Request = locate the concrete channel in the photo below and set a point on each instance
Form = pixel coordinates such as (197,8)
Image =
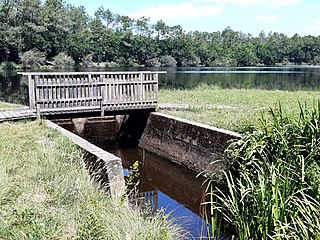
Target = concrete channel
(192,145)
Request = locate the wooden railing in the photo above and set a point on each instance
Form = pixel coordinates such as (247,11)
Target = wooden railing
(76,92)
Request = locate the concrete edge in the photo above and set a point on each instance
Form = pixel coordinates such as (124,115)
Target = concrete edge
(113,163)
(228,132)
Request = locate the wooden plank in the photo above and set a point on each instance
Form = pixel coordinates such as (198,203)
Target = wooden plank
(2,116)
(7,115)
(14,114)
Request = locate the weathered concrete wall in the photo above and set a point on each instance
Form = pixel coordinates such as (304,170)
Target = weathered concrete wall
(190,144)
(111,164)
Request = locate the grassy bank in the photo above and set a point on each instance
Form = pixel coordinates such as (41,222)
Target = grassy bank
(46,193)
(232,109)
(273,179)
(5,105)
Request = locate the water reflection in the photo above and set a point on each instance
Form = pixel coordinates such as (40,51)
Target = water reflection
(276,78)
(13,87)
(164,185)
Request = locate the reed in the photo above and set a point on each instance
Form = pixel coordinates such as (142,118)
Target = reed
(273,178)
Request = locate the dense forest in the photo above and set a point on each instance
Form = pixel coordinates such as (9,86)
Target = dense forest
(35,33)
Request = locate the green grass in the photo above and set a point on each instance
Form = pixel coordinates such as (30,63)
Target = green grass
(232,109)
(46,193)
(273,178)
(5,105)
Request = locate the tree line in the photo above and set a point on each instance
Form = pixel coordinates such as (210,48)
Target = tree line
(55,33)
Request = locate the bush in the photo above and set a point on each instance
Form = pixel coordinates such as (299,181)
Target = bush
(168,61)
(62,60)
(8,66)
(112,64)
(154,62)
(192,61)
(32,59)
(87,61)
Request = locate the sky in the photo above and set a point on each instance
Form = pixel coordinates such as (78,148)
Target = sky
(248,16)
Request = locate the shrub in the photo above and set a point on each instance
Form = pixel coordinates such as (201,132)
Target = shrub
(62,60)
(168,61)
(192,61)
(154,62)
(8,65)
(32,58)
(112,64)
(87,61)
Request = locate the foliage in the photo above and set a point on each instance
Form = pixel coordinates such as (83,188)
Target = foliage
(46,193)
(32,59)
(52,26)
(87,61)
(62,60)
(168,61)
(8,66)
(273,179)
(154,62)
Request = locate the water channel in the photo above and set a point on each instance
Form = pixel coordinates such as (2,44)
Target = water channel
(161,184)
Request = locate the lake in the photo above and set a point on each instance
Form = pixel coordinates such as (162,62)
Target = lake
(14,89)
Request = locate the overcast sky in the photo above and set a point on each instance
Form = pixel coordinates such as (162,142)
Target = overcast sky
(248,16)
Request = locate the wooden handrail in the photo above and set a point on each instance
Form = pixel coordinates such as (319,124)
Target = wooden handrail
(105,91)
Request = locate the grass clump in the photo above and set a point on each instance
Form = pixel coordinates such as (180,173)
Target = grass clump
(46,193)
(232,109)
(273,178)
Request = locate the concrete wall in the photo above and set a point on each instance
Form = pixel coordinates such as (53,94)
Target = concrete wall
(190,144)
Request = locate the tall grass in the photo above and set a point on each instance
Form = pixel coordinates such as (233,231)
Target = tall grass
(46,193)
(273,178)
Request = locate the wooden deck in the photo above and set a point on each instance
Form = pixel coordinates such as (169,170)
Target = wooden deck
(17,114)
(53,93)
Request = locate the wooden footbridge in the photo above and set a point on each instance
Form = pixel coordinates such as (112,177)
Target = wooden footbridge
(81,93)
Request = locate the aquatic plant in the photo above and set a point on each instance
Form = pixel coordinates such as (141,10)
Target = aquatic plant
(273,178)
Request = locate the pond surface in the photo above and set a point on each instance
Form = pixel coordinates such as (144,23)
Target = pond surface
(268,78)
(14,89)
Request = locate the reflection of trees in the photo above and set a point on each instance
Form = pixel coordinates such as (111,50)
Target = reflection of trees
(294,79)
(12,88)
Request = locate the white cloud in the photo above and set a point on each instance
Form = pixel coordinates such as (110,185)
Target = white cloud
(314,29)
(270,4)
(265,18)
(237,2)
(276,4)
(179,11)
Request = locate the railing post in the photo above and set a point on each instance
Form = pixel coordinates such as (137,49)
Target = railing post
(31,92)
(156,89)
(141,94)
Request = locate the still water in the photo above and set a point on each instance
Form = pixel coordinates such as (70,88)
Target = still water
(268,78)
(14,89)
(160,184)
